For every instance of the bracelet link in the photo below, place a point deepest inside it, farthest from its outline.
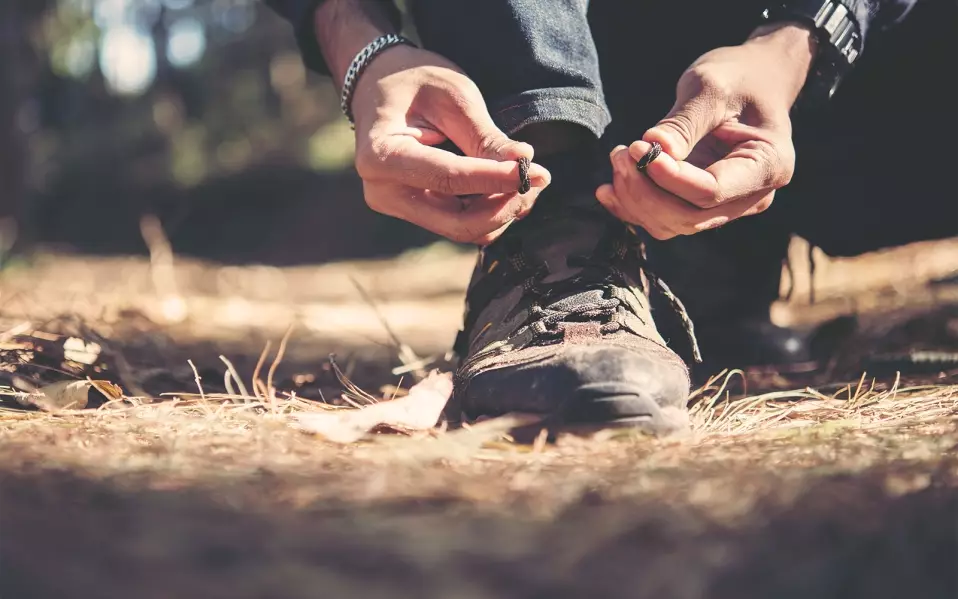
(359, 64)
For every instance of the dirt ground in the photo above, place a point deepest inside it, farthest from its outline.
(826, 483)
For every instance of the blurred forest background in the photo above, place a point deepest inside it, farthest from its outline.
(198, 111)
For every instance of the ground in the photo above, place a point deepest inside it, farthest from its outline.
(826, 483)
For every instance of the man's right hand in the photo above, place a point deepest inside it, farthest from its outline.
(406, 102)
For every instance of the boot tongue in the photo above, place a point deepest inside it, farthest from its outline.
(567, 220)
(575, 176)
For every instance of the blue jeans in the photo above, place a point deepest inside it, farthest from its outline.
(875, 169)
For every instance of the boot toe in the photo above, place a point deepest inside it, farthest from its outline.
(588, 385)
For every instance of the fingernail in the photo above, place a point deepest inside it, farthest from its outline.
(614, 157)
(638, 148)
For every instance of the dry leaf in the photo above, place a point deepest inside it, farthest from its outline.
(460, 444)
(418, 410)
(78, 350)
(68, 395)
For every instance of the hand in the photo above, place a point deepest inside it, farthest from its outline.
(726, 142)
(409, 100)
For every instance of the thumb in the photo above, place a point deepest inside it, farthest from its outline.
(697, 111)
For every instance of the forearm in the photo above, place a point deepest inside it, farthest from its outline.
(344, 27)
(361, 21)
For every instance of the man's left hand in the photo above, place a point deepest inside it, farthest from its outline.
(727, 142)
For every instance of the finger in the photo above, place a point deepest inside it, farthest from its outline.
(763, 203)
(490, 237)
(607, 197)
(464, 118)
(403, 160)
(641, 201)
(717, 217)
(752, 167)
(680, 178)
(472, 221)
(699, 108)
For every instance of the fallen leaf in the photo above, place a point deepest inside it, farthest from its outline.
(78, 350)
(418, 410)
(68, 395)
(460, 444)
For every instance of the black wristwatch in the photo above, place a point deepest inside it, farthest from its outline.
(839, 44)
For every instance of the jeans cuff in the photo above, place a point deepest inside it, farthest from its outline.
(572, 104)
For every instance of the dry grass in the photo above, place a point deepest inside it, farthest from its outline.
(212, 493)
(195, 426)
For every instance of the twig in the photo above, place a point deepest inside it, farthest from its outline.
(228, 382)
(350, 387)
(19, 329)
(396, 390)
(272, 369)
(197, 379)
(261, 390)
(405, 353)
(236, 376)
(259, 366)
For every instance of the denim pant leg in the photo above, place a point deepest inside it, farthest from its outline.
(533, 60)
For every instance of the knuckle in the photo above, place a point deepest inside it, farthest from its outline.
(488, 143)
(787, 171)
(375, 203)
(364, 164)
(463, 233)
(371, 157)
(764, 204)
(443, 181)
(453, 93)
(783, 178)
(682, 125)
(710, 201)
(780, 158)
(707, 81)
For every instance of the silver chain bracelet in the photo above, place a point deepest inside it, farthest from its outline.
(359, 64)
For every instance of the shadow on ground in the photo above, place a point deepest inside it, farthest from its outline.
(65, 535)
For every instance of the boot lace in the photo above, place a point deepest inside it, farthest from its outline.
(589, 303)
(548, 320)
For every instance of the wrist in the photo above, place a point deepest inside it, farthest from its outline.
(794, 40)
(344, 28)
(793, 44)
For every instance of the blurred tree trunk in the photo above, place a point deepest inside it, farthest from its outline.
(16, 69)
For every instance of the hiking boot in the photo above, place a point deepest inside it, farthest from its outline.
(558, 322)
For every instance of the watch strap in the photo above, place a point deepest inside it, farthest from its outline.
(839, 43)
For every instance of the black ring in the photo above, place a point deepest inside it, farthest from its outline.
(649, 157)
(524, 183)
